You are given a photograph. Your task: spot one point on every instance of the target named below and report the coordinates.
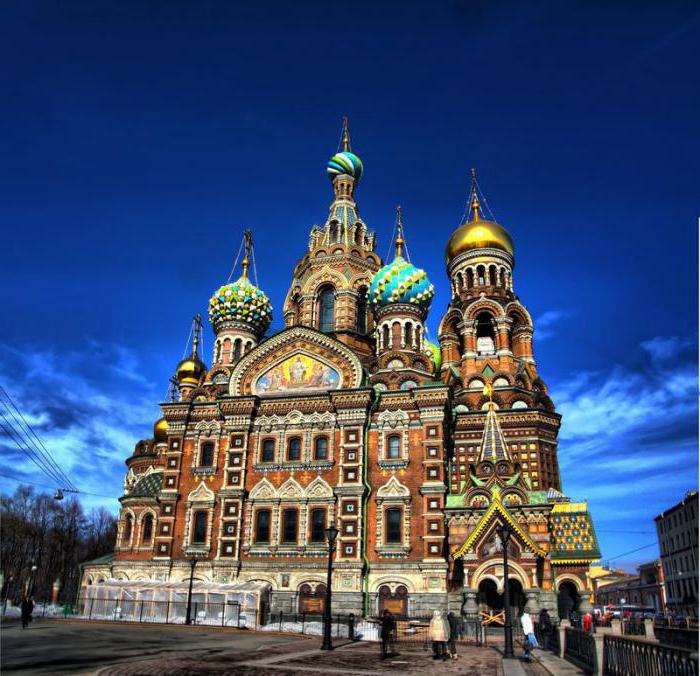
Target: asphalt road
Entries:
(65, 647)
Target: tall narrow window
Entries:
(393, 448)
(318, 525)
(321, 448)
(290, 526)
(362, 310)
(326, 309)
(147, 528)
(268, 450)
(128, 525)
(206, 455)
(393, 526)
(294, 449)
(262, 526)
(237, 347)
(199, 531)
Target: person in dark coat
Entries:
(387, 631)
(27, 609)
(545, 627)
(456, 630)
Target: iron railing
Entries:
(636, 657)
(634, 627)
(579, 648)
(548, 640)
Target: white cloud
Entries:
(546, 323)
(664, 348)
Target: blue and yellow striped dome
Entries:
(401, 282)
(344, 163)
(243, 302)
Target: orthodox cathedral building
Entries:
(350, 416)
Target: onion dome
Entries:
(434, 352)
(478, 233)
(190, 370)
(241, 301)
(344, 163)
(401, 281)
(160, 431)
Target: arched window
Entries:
(294, 449)
(227, 350)
(393, 526)
(493, 275)
(393, 450)
(290, 526)
(217, 352)
(294, 306)
(128, 527)
(408, 334)
(362, 310)
(268, 451)
(470, 278)
(237, 351)
(485, 334)
(481, 275)
(326, 309)
(199, 530)
(358, 235)
(206, 454)
(333, 233)
(262, 526)
(147, 528)
(321, 448)
(318, 525)
(386, 339)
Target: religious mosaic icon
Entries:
(297, 373)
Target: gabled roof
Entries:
(498, 512)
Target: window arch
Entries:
(147, 534)
(470, 278)
(237, 349)
(326, 309)
(386, 338)
(128, 528)
(294, 449)
(485, 334)
(362, 310)
(393, 447)
(321, 448)
(206, 454)
(199, 528)
(268, 451)
(262, 526)
(393, 531)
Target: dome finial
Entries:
(400, 241)
(346, 136)
(245, 263)
(197, 334)
(474, 199)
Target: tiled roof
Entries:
(572, 534)
(148, 487)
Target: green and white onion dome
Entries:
(401, 282)
(241, 301)
(346, 163)
(434, 352)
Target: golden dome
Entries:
(160, 431)
(478, 234)
(190, 371)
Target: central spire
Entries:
(493, 444)
(248, 243)
(346, 136)
(474, 199)
(400, 241)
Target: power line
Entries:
(632, 551)
(34, 483)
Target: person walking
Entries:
(387, 631)
(27, 608)
(439, 634)
(456, 627)
(529, 633)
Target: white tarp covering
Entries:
(235, 605)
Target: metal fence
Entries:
(635, 657)
(548, 640)
(579, 648)
(634, 628)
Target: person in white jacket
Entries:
(439, 633)
(529, 633)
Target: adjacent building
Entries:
(677, 531)
(645, 589)
(415, 450)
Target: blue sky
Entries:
(140, 138)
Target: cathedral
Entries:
(416, 451)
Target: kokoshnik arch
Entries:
(350, 416)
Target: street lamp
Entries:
(30, 581)
(188, 616)
(504, 533)
(331, 534)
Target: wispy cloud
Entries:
(547, 322)
(89, 406)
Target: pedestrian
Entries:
(439, 635)
(26, 609)
(588, 622)
(456, 630)
(529, 633)
(545, 626)
(387, 631)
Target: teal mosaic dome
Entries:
(243, 302)
(434, 352)
(344, 163)
(401, 282)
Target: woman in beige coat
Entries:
(439, 634)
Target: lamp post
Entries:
(188, 616)
(30, 581)
(504, 533)
(331, 534)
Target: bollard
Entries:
(303, 621)
(351, 626)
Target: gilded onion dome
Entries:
(478, 233)
(401, 281)
(190, 370)
(160, 431)
(241, 301)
